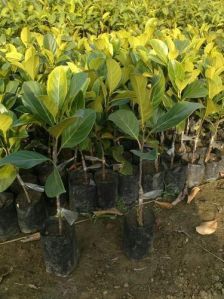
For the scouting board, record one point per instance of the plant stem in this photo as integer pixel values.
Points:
(173, 149)
(55, 161)
(103, 164)
(140, 196)
(182, 148)
(84, 168)
(59, 214)
(157, 164)
(196, 140)
(24, 187)
(212, 140)
(140, 192)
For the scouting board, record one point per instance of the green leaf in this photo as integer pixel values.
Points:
(160, 49)
(31, 98)
(79, 82)
(54, 185)
(197, 89)
(126, 166)
(58, 129)
(7, 176)
(114, 74)
(50, 42)
(175, 115)
(80, 129)
(175, 72)
(12, 86)
(139, 84)
(78, 103)
(57, 88)
(158, 89)
(24, 159)
(126, 121)
(151, 155)
(75, 99)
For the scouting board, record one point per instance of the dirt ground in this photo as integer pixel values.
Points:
(182, 263)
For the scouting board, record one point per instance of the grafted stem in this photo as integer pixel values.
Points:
(84, 168)
(55, 161)
(21, 182)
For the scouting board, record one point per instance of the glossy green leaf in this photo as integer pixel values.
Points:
(80, 129)
(32, 91)
(58, 129)
(151, 155)
(54, 185)
(126, 121)
(24, 159)
(79, 82)
(197, 89)
(158, 89)
(175, 72)
(175, 115)
(50, 43)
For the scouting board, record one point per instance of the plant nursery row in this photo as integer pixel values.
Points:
(95, 120)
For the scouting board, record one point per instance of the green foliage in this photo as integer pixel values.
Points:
(23, 159)
(175, 116)
(7, 176)
(54, 185)
(98, 69)
(127, 122)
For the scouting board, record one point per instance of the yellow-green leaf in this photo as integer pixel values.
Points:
(114, 74)
(5, 123)
(31, 63)
(211, 107)
(160, 49)
(25, 36)
(57, 88)
(7, 176)
(139, 84)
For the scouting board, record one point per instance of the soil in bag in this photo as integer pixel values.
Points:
(31, 216)
(107, 189)
(175, 179)
(195, 174)
(128, 188)
(8, 218)
(82, 192)
(137, 240)
(148, 172)
(211, 171)
(61, 253)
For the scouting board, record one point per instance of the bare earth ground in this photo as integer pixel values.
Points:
(182, 264)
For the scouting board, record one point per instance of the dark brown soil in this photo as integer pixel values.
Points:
(182, 264)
